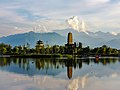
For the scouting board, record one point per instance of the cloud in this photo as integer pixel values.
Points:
(74, 22)
(96, 2)
(52, 24)
(98, 14)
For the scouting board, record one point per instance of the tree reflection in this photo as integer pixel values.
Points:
(106, 61)
(48, 63)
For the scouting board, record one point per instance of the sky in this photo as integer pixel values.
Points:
(19, 16)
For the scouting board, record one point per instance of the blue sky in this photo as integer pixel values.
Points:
(18, 16)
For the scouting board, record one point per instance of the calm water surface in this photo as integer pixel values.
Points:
(59, 74)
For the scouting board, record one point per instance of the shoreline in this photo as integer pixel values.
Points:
(67, 56)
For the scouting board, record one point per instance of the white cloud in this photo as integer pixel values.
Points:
(52, 24)
(99, 14)
(96, 2)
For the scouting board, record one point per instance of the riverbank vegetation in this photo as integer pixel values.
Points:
(56, 50)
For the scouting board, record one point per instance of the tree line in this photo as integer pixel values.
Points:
(6, 49)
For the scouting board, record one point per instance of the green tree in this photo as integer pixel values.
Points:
(15, 50)
(61, 49)
(56, 49)
(3, 50)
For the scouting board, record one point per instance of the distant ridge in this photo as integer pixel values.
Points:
(31, 37)
(93, 39)
(58, 37)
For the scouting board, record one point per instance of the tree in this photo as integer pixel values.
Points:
(4, 50)
(86, 50)
(9, 49)
(47, 51)
(61, 49)
(104, 48)
(56, 49)
(80, 45)
(15, 50)
(20, 49)
(109, 51)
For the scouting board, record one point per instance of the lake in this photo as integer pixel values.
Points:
(60, 74)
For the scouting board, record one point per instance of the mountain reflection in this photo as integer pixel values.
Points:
(49, 65)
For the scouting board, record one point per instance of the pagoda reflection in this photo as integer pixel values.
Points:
(69, 69)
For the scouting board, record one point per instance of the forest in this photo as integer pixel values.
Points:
(41, 49)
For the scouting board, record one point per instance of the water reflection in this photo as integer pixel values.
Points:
(49, 66)
(69, 69)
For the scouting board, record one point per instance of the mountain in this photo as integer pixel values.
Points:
(86, 39)
(32, 37)
(93, 39)
(115, 43)
(106, 35)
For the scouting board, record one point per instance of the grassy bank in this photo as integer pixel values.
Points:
(44, 56)
(37, 55)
